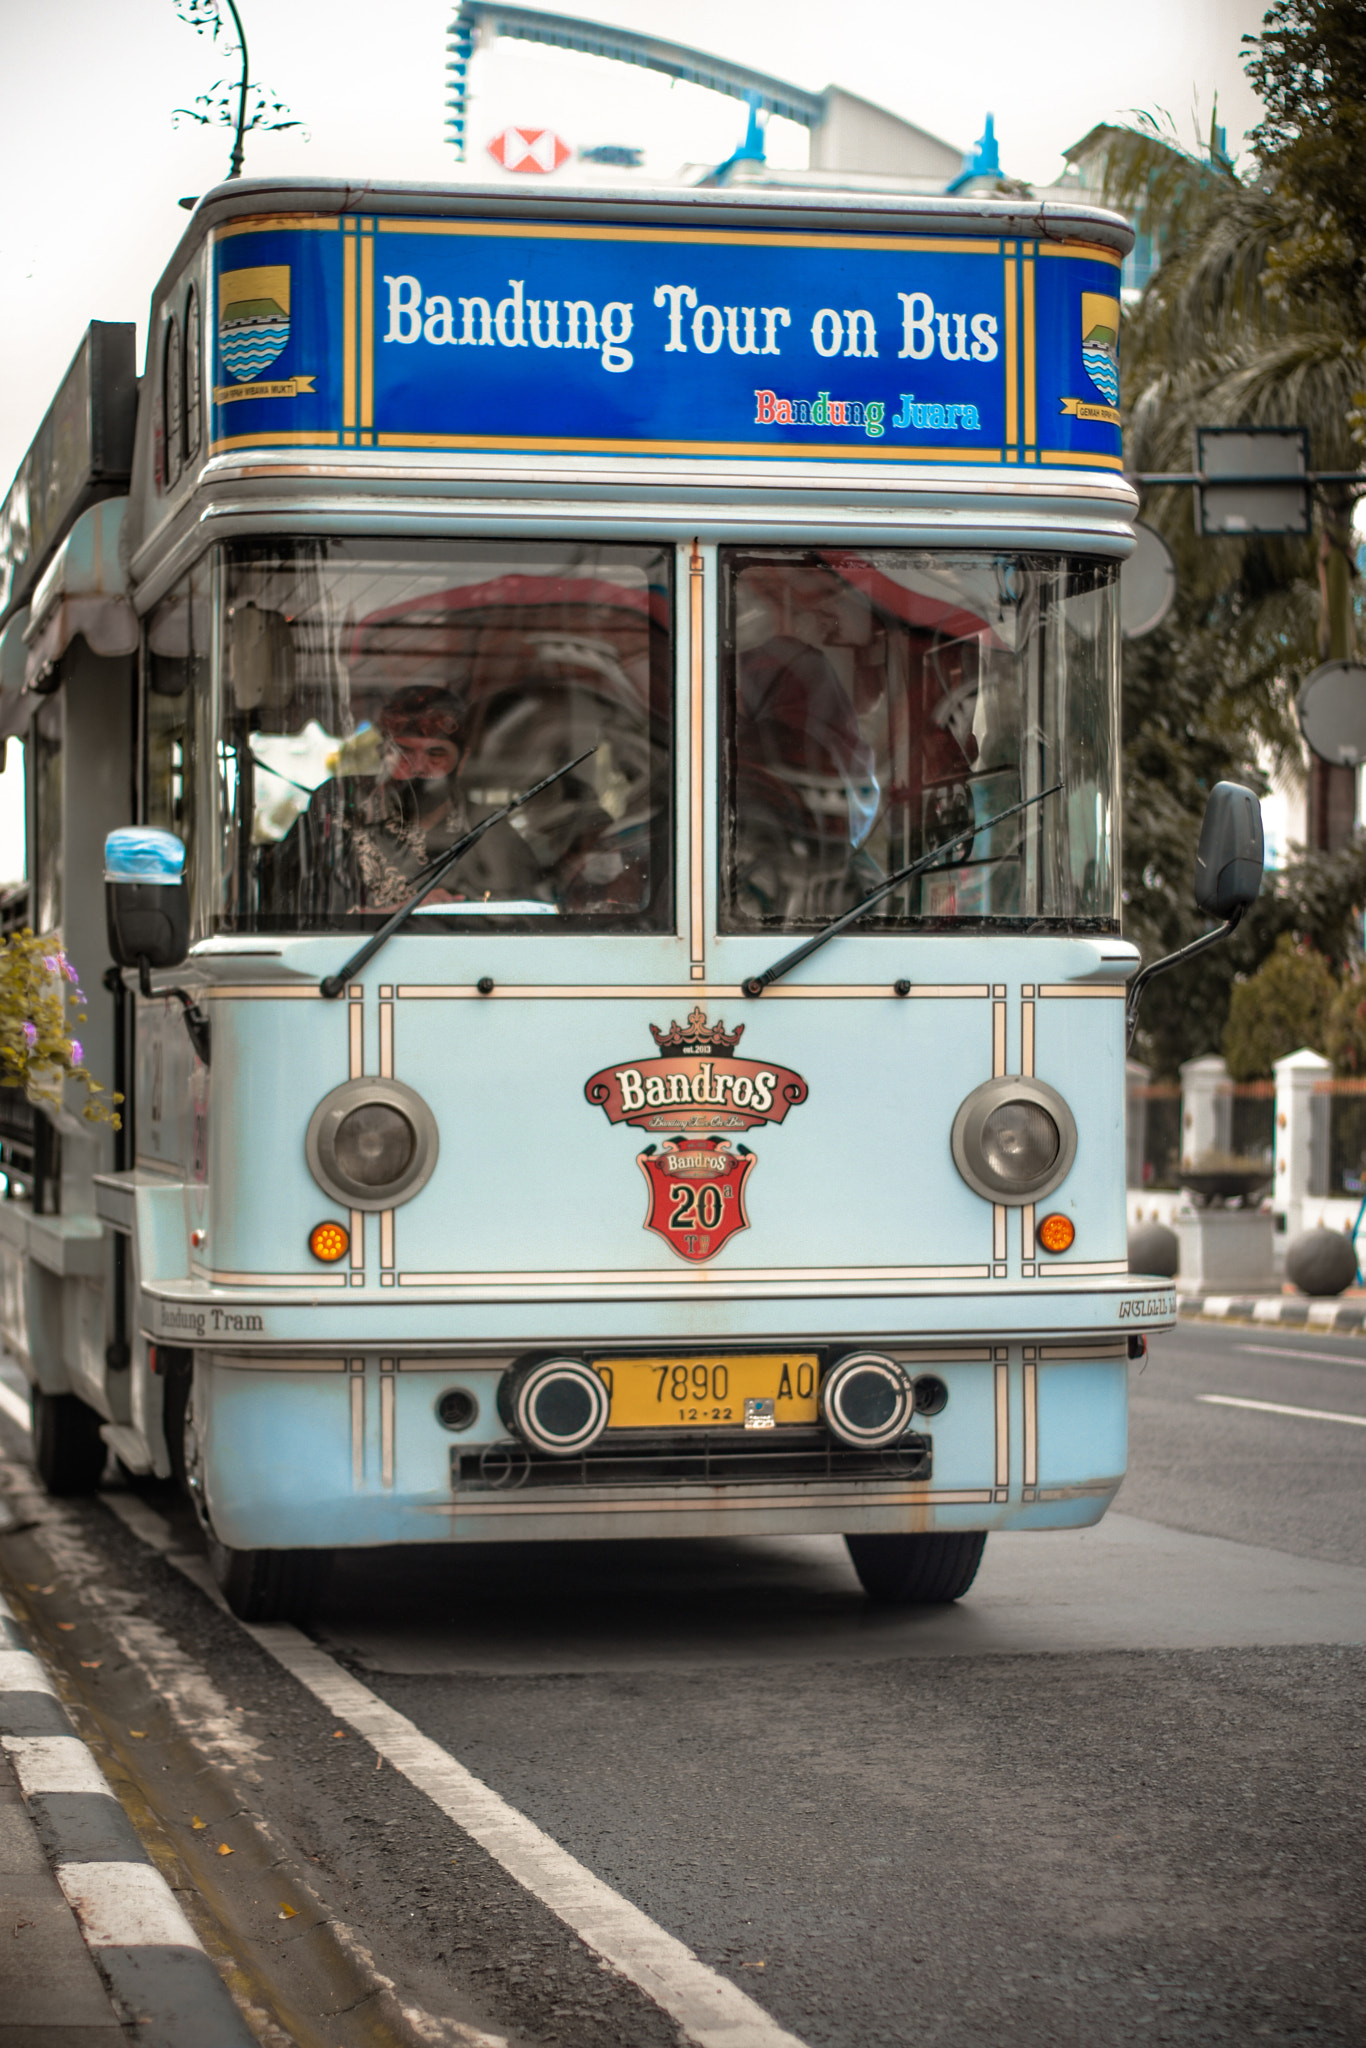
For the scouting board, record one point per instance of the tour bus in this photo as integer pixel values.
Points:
(586, 725)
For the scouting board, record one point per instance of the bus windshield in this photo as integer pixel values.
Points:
(377, 699)
(876, 702)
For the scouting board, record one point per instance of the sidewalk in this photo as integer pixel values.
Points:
(94, 1946)
(1297, 1311)
(51, 1994)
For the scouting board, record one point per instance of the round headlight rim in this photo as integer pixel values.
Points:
(320, 1143)
(519, 1388)
(966, 1139)
(841, 1427)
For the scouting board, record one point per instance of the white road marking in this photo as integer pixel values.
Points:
(54, 1763)
(188, 1695)
(711, 2011)
(1319, 1357)
(125, 1905)
(16, 1409)
(1278, 1408)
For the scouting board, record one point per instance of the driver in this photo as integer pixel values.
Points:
(365, 841)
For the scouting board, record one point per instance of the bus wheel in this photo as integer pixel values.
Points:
(68, 1450)
(270, 1585)
(912, 1571)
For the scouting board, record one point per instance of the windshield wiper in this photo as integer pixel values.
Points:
(333, 984)
(757, 983)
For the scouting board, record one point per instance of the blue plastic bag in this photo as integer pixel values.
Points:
(142, 853)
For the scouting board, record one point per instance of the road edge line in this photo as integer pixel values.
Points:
(710, 2010)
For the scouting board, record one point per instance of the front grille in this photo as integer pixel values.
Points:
(760, 1458)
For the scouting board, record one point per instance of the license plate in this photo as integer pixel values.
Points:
(754, 1390)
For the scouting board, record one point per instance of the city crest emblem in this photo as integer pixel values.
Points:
(253, 319)
(699, 1091)
(1100, 343)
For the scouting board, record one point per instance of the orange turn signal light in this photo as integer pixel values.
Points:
(1056, 1233)
(329, 1242)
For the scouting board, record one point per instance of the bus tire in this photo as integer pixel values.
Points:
(270, 1585)
(69, 1453)
(915, 1571)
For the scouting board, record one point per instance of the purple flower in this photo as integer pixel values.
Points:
(51, 963)
(31, 1033)
(76, 1054)
(68, 970)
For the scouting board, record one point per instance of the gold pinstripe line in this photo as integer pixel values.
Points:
(1031, 432)
(1003, 1425)
(349, 331)
(1012, 357)
(1031, 1425)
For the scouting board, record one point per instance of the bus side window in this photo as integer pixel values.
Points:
(176, 719)
(47, 819)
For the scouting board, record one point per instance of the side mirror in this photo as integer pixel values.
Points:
(147, 905)
(260, 656)
(1229, 858)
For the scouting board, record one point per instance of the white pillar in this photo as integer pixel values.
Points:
(1297, 1077)
(1206, 1107)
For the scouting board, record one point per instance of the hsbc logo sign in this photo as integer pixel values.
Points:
(536, 150)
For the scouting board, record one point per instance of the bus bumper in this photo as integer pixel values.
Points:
(338, 1453)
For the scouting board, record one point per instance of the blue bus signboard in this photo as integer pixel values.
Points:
(479, 335)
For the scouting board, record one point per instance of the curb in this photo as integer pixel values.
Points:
(1296, 1311)
(158, 1973)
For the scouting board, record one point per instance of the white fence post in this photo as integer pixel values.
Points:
(1206, 1107)
(1297, 1077)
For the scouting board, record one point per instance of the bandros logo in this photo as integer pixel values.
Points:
(253, 319)
(1100, 343)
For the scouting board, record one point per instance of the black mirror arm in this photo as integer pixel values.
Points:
(196, 1023)
(1145, 974)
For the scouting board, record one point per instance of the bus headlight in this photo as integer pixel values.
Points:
(1014, 1140)
(559, 1405)
(371, 1144)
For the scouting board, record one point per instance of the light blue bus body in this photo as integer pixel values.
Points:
(586, 1196)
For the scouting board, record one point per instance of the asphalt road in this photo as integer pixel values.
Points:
(1290, 1483)
(1114, 1795)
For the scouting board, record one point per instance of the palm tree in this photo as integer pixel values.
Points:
(1255, 316)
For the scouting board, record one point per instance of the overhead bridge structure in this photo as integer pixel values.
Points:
(477, 19)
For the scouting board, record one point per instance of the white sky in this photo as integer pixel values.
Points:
(94, 166)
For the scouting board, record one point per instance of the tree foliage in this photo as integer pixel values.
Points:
(1345, 1042)
(1286, 1004)
(1254, 316)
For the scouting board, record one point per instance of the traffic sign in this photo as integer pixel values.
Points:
(1242, 489)
(1147, 584)
(1332, 711)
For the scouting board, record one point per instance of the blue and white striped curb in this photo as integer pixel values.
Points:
(1293, 1309)
(157, 1970)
